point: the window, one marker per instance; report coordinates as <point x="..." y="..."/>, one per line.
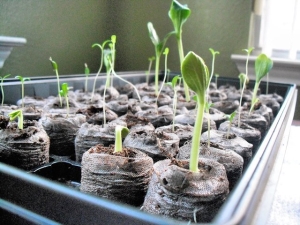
<point x="276" y="28"/>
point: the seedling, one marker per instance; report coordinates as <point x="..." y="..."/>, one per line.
<point x="166" y="52"/>
<point x="1" y="85"/>
<point x="151" y="59"/>
<point x="17" y="114"/>
<point x="173" y="84"/>
<point x="102" y="46"/>
<point x="230" y="118"/>
<point x="159" y="46"/>
<point x="179" y="14"/>
<point x="263" y="64"/>
<point x="245" y="79"/>
<point x="55" y="69"/>
<point x="64" y="93"/>
<point x="214" y="53"/>
<point x="22" y="79"/>
<point x="120" y="132"/>
<point x="87" y="73"/>
<point x="196" y="75"/>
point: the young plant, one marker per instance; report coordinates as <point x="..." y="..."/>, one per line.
<point x="1" y="86"/>
<point x="87" y="73"/>
<point x="102" y="46"/>
<point x="230" y="118"/>
<point x="263" y="64"/>
<point x="179" y="14"/>
<point x="249" y="50"/>
<point x="55" y="69"/>
<point x="120" y="132"/>
<point x="173" y="83"/>
<point x="64" y="93"/>
<point x="17" y="114"/>
<point x="196" y="75"/>
<point x="151" y="59"/>
<point x="166" y="52"/>
<point x="243" y="81"/>
<point x="22" y="79"/>
<point x="159" y="46"/>
<point x="214" y="53"/>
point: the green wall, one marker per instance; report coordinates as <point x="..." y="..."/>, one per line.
<point x="66" y="29"/>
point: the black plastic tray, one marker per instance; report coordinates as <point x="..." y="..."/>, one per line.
<point x="29" y="199"/>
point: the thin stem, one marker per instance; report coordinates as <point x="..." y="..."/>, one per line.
<point x="22" y="87"/>
<point x="100" y="68"/>
<point x="58" y="87"/>
<point x="181" y="57"/>
<point x="118" y="139"/>
<point x="197" y="135"/>
<point x="157" y="59"/>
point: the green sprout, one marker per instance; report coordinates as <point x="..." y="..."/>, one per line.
<point x="245" y="79"/>
<point x="17" y="114"/>
<point x="87" y="73"/>
<point x="179" y="14"/>
<point x="1" y="86"/>
<point x="64" y="93"/>
<point x="55" y="69"/>
<point x="214" y="53"/>
<point x="120" y="132"/>
<point x="166" y="52"/>
<point x="173" y="84"/>
<point x="230" y="118"/>
<point x="159" y="46"/>
<point x="216" y="79"/>
<point x="196" y="75"/>
<point x="102" y="46"/>
<point x="151" y="59"/>
<point x="263" y="64"/>
<point x="22" y="79"/>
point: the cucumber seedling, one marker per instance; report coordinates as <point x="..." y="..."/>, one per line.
<point x="22" y="79"/>
<point x="101" y="46"/>
<point x="263" y="64"/>
<point x="230" y="117"/>
<point x="179" y="14"/>
<point x="196" y="75"/>
<point x="120" y="132"/>
<point x="166" y="52"/>
<point x="245" y="80"/>
<point x="55" y="69"/>
<point x="159" y="47"/>
<point x="17" y="114"/>
<point x="64" y="93"/>
<point x="151" y="59"/>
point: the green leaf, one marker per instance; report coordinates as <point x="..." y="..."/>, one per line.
<point x="65" y="89"/>
<point x="152" y="34"/>
<point x="263" y="65"/>
<point x="178" y="13"/>
<point x="195" y="73"/>
<point x="86" y="70"/>
<point x="54" y="64"/>
<point x="213" y="52"/>
<point x="174" y="80"/>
